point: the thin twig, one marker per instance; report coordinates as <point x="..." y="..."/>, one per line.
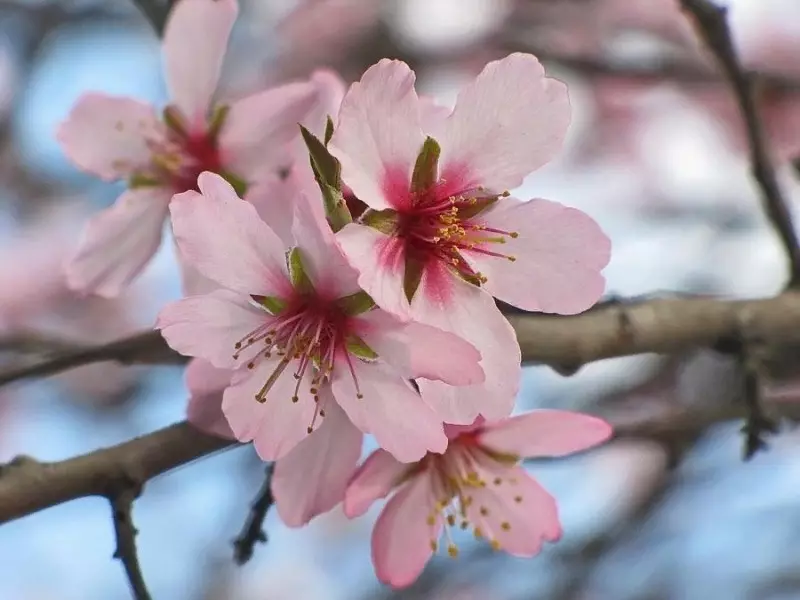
<point x="712" y="25"/>
<point x="125" y="532"/>
<point x="253" y="530"/>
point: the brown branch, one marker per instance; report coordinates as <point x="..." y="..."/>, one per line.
<point x="125" y="531"/>
<point x="712" y="26"/>
<point x="253" y="530"/>
<point x="611" y="330"/>
<point x="27" y="485"/>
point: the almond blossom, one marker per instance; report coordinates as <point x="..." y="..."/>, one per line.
<point x="443" y="230"/>
<point x="308" y="481"/>
<point x="477" y="483"/>
<point x="122" y="138"/>
<point x="299" y="332"/>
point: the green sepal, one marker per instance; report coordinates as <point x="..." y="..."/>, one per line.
<point x="384" y="221"/>
<point x="140" y="180"/>
<point x="426" y="169"/>
<point x="412" y="277"/>
<point x="174" y="120"/>
<point x="327" y="172"/>
<point x="358" y="347"/>
<point x="328" y="131"/>
<point x="217" y="120"/>
<point x="355" y="304"/>
<point x="297" y="272"/>
<point x="272" y="304"/>
<point x="238" y="184"/>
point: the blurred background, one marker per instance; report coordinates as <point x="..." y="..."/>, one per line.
<point x="655" y="154"/>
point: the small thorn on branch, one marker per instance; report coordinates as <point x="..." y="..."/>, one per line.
<point x="711" y="24"/>
<point x="758" y="425"/>
<point x="253" y="530"/>
<point x="125" y="531"/>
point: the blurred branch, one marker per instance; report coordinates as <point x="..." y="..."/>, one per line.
<point x="156" y="12"/>
<point x="125" y="531"/>
<point x="28" y="486"/>
<point x="619" y="328"/>
<point x="712" y="26"/>
<point x="253" y="530"/>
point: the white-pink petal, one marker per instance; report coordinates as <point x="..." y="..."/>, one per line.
<point x="418" y="350"/>
<point x="109" y="136"/>
<point x="389" y="409"/>
<point x="449" y="303"/>
<point x="381" y="263"/>
<point x="507" y="123"/>
<point x="209" y="326"/>
<point x="379" y="136"/>
<point x="225" y="240"/>
<point x="206" y="383"/>
<point x="276" y="425"/>
<point x="545" y="433"/>
<point x="401" y="540"/>
<point x="374" y="479"/>
<point x="311" y="479"/>
<point x="195" y="40"/>
<point x="119" y="242"/>
<point x="560" y="253"/>
<point x="259" y="128"/>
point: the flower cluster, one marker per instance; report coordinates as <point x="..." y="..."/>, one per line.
<point x="309" y="329"/>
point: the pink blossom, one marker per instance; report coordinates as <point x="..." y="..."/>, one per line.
<point x="443" y="231"/>
<point x="308" y="481"/>
<point x="476" y="483"/>
<point x="123" y="138"/>
<point x="295" y="327"/>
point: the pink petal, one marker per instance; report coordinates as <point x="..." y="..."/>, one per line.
<point x="381" y="264"/>
<point x="379" y="135"/>
<point x="225" y="240"/>
<point x="401" y="540"/>
<point x="274" y="199"/>
<point x="507" y="123"/>
<point x="209" y="326"/>
<point x="119" y="242"/>
<point x="195" y="40"/>
<point x="374" y="479"/>
<point x="560" y="253"/>
<point x="323" y="260"/>
<point x="545" y="433"/>
<point x="418" y="350"/>
<point x="390" y="410"/>
<point x="530" y="513"/>
<point x="311" y="479"/>
<point x="276" y="425"/>
<point x="433" y="116"/>
<point x="258" y="129"/>
<point x="108" y="135"/>
<point x="449" y="303"/>
<point x="193" y="283"/>
<point x="206" y="383"/>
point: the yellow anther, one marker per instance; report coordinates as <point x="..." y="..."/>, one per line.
<point x="360" y="396"/>
<point x="309" y="429"/>
<point x="513" y="234"/>
<point x="512" y="258"/>
<point x="464" y="524"/>
<point x="434" y="545"/>
<point x="295" y="399"/>
<point x="505" y="526"/>
<point x="251" y="365"/>
<point x="497" y="481"/>
<point x="451" y="520"/>
<point x="495" y="545"/>
<point x="484" y="511"/>
<point x="478" y="533"/>
<point x="517" y="499"/>
<point x="237" y="345"/>
<point x="452" y="550"/>
<point x="431" y="520"/>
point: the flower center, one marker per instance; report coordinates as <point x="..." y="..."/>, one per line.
<point x="444" y="228"/>
<point x="461" y="474"/>
<point x="307" y="336"/>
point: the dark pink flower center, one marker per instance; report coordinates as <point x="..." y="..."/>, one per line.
<point x="308" y="335"/>
<point x="442" y="228"/>
<point x="467" y="467"/>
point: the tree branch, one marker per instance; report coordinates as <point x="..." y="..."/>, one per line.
<point x="253" y="530"/>
<point x="710" y="21"/>
<point x="565" y="342"/>
<point x="125" y="531"/>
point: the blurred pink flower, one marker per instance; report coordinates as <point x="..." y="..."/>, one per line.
<point x="442" y="231"/>
<point x="122" y="138"/>
<point x="476" y="482"/>
<point x="301" y="308"/>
